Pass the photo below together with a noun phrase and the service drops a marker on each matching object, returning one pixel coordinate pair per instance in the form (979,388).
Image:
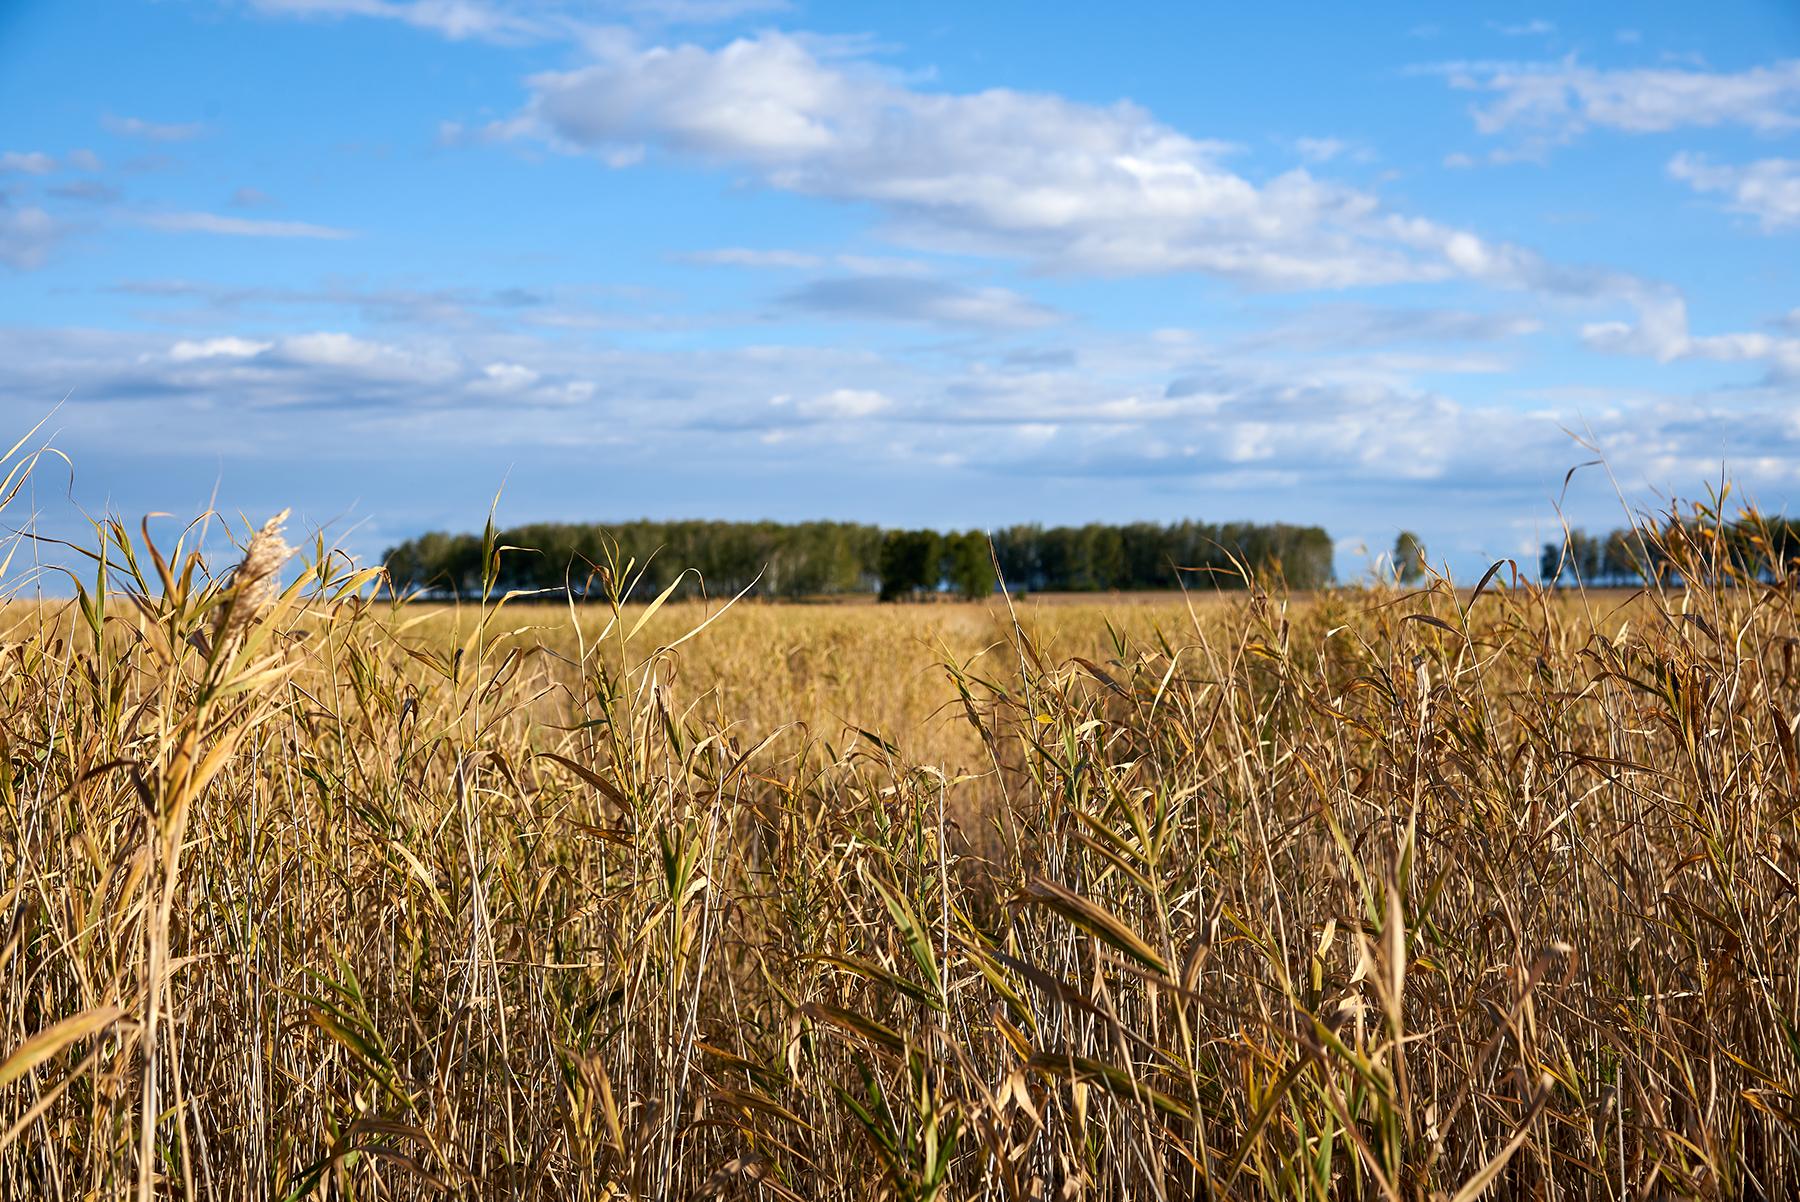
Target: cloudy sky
(947,264)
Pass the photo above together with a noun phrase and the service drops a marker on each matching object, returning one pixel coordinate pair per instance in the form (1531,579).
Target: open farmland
(1372,894)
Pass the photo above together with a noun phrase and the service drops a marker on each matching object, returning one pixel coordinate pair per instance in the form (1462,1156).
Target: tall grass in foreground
(1378,895)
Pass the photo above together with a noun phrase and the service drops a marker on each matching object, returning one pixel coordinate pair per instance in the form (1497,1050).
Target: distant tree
(1550,564)
(968,565)
(1580,555)
(1018,548)
(909,563)
(812,558)
(1101,554)
(1622,558)
(1409,558)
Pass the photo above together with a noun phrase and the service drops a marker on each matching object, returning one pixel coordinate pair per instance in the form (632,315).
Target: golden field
(1381,894)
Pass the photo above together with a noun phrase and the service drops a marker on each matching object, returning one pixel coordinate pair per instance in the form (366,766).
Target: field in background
(1362,894)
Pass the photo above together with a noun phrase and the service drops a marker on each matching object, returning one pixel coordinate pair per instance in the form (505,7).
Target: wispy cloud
(27,236)
(88,191)
(454,19)
(238,227)
(515,22)
(1768,189)
(1360,327)
(1537,27)
(27,162)
(777,259)
(422,307)
(912,299)
(152,131)
(1327,150)
(1551,103)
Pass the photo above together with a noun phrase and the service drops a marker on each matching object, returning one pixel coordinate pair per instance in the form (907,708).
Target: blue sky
(955,265)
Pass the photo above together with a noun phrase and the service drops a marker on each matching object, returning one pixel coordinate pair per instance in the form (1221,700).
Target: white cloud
(1768,189)
(217,348)
(1316,440)
(1553,102)
(85,160)
(238,227)
(507,377)
(1069,186)
(844,404)
(1661,332)
(345,352)
(33,162)
(152,131)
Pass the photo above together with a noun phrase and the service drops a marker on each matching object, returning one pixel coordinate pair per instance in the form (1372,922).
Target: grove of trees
(1752,546)
(826,558)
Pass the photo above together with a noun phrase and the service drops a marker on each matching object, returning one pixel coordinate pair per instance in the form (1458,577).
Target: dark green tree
(822,558)
(1409,558)
(968,565)
(909,563)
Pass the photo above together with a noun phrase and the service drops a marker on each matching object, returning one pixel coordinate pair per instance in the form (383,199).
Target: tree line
(1752,546)
(802,559)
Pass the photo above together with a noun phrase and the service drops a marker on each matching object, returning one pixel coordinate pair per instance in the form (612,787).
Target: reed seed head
(256,581)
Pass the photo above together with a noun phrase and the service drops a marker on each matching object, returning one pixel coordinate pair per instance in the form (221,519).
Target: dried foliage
(1382,894)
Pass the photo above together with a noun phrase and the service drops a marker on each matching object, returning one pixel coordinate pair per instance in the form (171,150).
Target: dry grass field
(1367,894)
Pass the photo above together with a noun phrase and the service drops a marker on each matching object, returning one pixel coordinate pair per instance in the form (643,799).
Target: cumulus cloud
(1768,189)
(238,227)
(152,131)
(1552,103)
(1662,332)
(1068,186)
(909,298)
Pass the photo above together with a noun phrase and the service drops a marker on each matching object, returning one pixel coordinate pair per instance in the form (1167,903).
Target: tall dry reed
(1380,894)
